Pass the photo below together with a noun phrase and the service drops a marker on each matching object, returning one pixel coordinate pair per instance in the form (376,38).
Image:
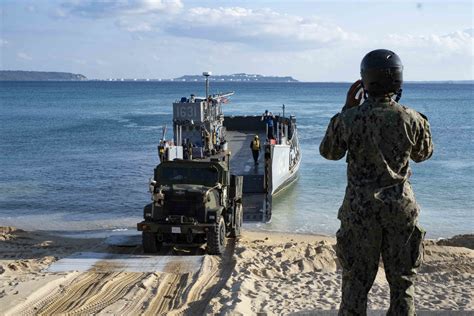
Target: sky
(309,40)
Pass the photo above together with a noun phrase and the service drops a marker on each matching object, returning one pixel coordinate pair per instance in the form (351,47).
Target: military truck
(194,201)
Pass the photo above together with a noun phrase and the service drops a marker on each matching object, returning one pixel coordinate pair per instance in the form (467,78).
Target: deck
(240,132)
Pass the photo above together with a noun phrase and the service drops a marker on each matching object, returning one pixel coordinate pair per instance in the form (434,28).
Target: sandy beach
(262,272)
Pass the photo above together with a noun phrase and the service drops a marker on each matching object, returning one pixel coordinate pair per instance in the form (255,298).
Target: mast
(207,74)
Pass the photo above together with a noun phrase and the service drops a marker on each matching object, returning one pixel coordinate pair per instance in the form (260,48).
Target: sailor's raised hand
(354,95)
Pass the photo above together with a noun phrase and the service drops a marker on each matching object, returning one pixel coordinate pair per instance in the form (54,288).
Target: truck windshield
(179,175)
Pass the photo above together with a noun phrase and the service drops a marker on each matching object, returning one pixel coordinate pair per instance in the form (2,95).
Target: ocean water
(77,156)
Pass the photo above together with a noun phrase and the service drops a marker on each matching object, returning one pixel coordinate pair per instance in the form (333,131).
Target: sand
(262,272)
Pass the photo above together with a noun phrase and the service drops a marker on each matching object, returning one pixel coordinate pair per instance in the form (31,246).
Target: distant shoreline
(20,75)
(34,76)
(463,82)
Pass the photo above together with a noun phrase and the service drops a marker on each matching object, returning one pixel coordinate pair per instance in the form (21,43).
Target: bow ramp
(256,200)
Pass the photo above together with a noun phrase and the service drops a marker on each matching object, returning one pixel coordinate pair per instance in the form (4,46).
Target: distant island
(18,75)
(242,77)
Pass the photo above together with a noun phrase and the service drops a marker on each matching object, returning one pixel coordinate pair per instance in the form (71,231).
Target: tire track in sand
(41,297)
(73,294)
(210,281)
(90,293)
(176,293)
(111,293)
(168,294)
(173,292)
(137,300)
(191,294)
(44,299)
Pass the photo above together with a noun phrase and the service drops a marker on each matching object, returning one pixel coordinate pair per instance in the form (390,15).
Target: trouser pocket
(342,247)
(417,247)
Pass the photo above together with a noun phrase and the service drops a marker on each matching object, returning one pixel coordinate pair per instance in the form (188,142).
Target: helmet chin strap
(398,95)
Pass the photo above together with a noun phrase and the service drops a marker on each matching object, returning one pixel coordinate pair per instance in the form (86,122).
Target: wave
(455,164)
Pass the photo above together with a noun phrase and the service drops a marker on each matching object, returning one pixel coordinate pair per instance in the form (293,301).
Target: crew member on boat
(268,118)
(255,147)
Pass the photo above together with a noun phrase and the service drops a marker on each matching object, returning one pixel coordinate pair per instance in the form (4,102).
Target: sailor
(184,144)
(214,138)
(193,98)
(255,147)
(161,151)
(166,147)
(207,141)
(189,150)
(268,118)
(379,214)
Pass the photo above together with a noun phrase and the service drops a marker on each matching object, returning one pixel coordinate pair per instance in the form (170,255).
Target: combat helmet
(382,73)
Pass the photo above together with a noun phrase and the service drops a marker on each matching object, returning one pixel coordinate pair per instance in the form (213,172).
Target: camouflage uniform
(379,214)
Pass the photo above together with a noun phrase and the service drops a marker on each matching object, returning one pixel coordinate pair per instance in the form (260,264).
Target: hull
(284,180)
(285,164)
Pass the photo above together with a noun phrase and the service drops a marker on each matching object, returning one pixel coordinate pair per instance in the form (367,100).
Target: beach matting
(106,262)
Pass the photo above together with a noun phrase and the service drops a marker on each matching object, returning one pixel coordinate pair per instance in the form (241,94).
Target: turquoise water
(78,155)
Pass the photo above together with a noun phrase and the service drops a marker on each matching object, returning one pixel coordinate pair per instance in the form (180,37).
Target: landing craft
(207,183)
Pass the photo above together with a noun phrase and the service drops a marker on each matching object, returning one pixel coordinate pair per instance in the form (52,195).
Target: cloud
(261,28)
(59,13)
(435,56)
(30,8)
(24,56)
(3,42)
(132,27)
(258,28)
(459,42)
(116,8)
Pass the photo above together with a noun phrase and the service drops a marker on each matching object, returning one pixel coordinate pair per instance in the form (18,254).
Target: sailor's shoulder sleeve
(333,146)
(423,147)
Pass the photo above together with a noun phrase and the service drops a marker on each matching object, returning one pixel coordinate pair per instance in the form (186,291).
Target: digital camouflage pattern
(379,214)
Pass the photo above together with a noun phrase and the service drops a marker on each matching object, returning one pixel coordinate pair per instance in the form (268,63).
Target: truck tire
(216,239)
(150,243)
(237,230)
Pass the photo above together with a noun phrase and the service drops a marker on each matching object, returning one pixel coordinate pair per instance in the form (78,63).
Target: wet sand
(273,273)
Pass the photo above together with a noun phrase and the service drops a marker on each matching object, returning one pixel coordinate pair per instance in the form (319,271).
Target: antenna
(207,74)
(163,130)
